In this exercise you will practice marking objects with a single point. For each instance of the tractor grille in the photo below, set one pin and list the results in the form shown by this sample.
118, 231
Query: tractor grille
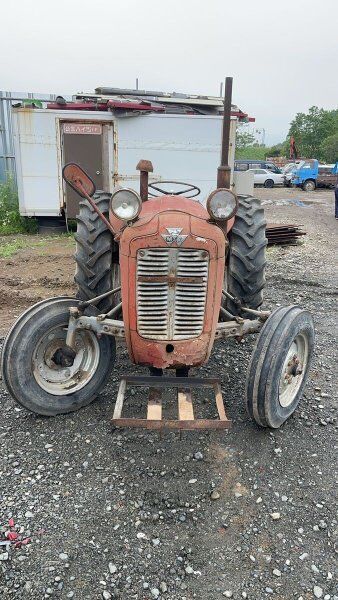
171, 292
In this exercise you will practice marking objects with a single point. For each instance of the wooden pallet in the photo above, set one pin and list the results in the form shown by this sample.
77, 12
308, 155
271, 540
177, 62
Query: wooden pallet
186, 419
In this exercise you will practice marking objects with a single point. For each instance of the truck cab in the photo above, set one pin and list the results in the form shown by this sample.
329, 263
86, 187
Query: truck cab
305, 175
309, 175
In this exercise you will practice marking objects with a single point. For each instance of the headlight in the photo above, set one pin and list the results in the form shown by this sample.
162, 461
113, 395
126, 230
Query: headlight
222, 204
126, 204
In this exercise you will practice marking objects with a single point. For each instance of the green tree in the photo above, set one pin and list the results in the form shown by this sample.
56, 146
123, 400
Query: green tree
311, 129
275, 150
244, 139
329, 149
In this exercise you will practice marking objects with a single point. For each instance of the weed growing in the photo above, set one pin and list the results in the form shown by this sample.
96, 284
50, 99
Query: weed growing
10, 219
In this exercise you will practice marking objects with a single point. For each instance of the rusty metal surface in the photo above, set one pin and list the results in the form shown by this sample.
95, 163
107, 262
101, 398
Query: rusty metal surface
238, 328
145, 167
151, 231
78, 179
171, 424
224, 171
101, 326
186, 420
278, 233
81, 183
171, 292
179, 382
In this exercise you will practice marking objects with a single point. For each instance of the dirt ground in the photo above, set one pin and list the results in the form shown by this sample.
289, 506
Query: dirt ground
122, 514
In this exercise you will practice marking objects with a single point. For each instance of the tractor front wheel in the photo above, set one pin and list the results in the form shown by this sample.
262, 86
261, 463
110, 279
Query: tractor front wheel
42, 373
279, 366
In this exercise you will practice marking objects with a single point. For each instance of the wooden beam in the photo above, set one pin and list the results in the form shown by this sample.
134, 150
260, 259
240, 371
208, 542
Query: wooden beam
219, 402
154, 412
185, 406
120, 399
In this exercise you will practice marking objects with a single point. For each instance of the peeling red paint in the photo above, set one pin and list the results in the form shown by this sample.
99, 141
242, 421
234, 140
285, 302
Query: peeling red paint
193, 219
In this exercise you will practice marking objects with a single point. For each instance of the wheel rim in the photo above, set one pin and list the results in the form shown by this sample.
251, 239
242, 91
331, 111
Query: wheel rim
294, 370
56, 369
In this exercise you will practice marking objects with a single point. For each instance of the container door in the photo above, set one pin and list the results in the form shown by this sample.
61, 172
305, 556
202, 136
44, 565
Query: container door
82, 143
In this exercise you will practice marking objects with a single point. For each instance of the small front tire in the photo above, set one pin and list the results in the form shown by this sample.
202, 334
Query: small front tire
269, 183
40, 371
279, 366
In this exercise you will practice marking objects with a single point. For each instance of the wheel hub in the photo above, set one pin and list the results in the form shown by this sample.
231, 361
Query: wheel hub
60, 370
293, 370
64, 357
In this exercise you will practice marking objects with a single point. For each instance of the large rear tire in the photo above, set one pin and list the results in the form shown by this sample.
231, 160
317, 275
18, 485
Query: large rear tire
41, 373
96, 256
246, 264
279, 366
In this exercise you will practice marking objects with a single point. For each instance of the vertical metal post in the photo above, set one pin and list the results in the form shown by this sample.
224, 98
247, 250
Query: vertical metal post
223, 171
145, 167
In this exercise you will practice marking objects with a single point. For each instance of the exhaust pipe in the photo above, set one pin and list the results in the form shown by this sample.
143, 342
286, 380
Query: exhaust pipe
224, 170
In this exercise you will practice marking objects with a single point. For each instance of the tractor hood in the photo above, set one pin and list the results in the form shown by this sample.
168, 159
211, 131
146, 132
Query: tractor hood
163, 204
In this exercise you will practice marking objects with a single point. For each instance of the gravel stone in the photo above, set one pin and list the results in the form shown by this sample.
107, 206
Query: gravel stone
134, 482
112, 568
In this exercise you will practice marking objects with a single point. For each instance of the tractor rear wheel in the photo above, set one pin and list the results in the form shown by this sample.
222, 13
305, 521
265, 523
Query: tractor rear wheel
96, 256
245, 273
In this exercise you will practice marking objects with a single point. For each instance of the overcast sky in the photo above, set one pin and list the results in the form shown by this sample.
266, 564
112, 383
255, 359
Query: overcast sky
283, 55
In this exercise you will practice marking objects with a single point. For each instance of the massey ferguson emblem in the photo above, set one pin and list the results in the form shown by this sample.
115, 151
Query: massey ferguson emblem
174, 236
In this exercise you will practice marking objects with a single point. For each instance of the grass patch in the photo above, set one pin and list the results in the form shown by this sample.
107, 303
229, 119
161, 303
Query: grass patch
10, 219
8, 248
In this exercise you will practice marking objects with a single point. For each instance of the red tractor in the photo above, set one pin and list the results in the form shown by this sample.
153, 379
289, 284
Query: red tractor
170, 277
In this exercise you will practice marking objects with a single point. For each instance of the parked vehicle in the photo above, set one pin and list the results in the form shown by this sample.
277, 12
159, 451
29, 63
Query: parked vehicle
244, 165
309, 175
170, 277
267, 178
287, 173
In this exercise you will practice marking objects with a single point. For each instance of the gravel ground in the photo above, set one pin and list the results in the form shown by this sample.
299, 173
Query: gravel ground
246, 514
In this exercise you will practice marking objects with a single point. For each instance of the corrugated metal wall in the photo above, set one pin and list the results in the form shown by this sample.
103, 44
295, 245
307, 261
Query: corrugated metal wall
7, 157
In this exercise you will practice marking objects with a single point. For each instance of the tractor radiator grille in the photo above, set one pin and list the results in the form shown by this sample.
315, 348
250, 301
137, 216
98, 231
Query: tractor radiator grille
171, 292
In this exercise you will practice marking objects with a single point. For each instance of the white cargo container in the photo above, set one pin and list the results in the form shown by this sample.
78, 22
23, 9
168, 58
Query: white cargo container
181, 147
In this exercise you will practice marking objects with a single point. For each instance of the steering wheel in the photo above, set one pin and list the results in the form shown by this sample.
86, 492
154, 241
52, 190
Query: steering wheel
189, 191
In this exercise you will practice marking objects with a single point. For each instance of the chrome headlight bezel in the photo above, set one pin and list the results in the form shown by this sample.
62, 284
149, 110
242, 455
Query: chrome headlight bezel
226, 199
125, 194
